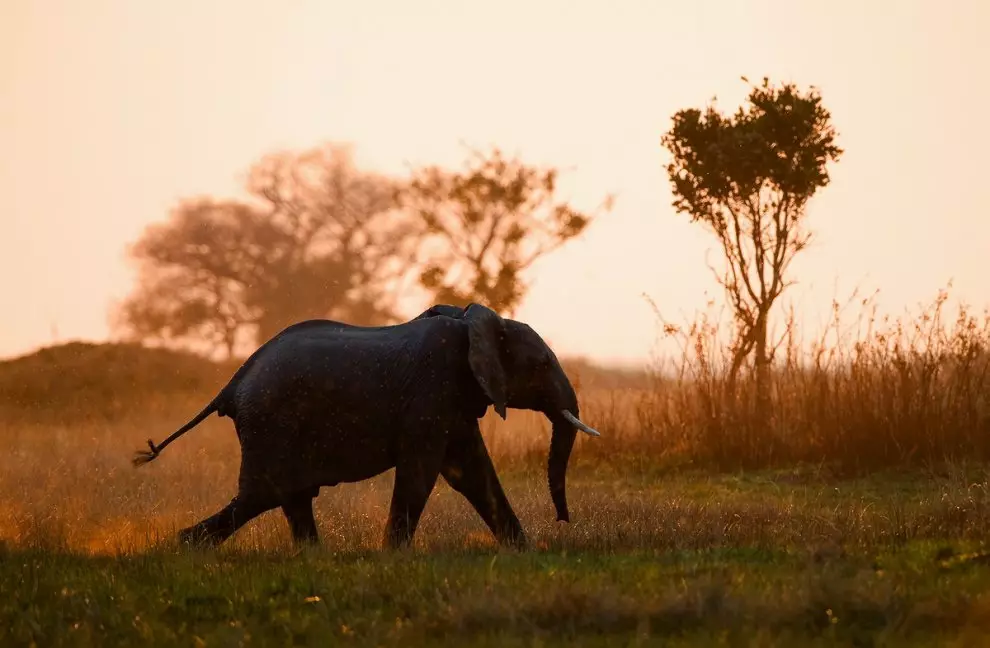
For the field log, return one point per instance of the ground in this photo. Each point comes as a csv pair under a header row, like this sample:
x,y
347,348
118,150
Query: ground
x,y
664,547
795,557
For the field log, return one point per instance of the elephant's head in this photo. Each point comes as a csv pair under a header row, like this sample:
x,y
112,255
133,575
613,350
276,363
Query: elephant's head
x,y
516,368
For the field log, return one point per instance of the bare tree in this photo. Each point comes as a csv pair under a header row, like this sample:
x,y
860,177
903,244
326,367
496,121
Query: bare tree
x,y
194,274
486,224
348,239
318,239
748,179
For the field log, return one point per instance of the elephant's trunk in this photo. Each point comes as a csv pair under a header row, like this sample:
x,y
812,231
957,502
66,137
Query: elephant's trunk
x,y
565,427
561,443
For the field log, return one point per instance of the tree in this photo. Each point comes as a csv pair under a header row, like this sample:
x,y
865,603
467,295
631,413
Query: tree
x,y
748,179
195,272
318,239
348,239
486,224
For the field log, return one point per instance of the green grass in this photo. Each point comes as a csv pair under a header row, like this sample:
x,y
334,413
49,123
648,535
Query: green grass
x,y
697,597
793,557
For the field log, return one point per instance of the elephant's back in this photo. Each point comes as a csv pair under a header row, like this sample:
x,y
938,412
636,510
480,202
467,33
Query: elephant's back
x,y
316,373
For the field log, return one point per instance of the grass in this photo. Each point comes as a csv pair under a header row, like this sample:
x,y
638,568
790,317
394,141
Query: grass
x,y
319,597
867,394
855,514
785,557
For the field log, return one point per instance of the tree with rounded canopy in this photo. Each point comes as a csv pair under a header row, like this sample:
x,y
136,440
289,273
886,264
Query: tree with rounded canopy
x,y
748,179
319,238
485,224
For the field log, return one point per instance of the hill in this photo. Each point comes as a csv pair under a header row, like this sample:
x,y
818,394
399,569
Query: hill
x,y
105,380
83,379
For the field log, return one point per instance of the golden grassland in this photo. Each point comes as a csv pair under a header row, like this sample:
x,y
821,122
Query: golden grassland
x,y
856,512
793,556
83,495
883,394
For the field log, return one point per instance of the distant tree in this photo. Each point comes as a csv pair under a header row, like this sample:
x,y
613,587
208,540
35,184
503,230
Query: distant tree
x,y
748,179
485,225
350,244
195,273
319,239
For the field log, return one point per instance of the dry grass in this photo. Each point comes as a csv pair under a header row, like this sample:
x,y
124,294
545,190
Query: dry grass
x,y
75,489
876,394
868,394
789,557
692,521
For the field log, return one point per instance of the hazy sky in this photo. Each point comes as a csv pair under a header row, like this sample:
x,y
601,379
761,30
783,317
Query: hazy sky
x,y
110,111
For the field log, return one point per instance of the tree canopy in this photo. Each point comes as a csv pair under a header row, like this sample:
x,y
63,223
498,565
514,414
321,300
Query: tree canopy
x,y
485,224
748,178
319,238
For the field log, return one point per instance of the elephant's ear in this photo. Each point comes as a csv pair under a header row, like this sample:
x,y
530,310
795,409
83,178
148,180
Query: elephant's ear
x,y
441,309
486,333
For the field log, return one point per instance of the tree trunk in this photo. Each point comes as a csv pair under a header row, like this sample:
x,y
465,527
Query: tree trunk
x,y
761,363
229,337
740,352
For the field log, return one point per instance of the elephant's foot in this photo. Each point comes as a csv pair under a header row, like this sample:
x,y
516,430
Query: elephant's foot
x,y
215,529
515,541
305,543
199,536
396,540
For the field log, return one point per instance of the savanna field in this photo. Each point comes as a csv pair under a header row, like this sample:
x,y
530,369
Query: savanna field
x,y
855,514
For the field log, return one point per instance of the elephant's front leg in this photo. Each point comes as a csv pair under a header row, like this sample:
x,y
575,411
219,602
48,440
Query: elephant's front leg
x,y
416,474
468,468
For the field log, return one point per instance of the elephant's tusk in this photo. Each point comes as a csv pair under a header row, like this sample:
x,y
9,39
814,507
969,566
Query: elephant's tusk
x,y
579,425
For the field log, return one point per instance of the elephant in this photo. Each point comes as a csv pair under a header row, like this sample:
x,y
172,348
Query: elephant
x,y
325,402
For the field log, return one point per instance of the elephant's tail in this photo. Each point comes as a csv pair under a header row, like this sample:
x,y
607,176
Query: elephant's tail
x,y
144,456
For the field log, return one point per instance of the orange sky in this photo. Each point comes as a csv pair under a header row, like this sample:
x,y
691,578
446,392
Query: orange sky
x,y
110,111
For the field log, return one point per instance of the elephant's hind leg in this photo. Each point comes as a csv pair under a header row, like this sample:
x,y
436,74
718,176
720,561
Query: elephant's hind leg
x,y
223,524
298,510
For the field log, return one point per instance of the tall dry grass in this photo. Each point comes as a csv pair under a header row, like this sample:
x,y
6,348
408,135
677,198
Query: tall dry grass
x,y
870,393
73,488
